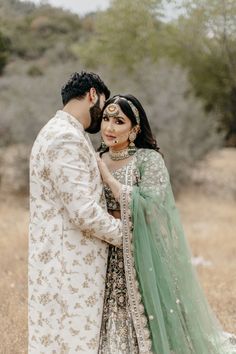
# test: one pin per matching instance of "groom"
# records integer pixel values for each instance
(69, 227)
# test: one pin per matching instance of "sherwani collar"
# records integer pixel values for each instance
(71, 119)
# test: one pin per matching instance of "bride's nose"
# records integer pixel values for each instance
(110, 127)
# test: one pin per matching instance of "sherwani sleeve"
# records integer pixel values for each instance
(68, 165)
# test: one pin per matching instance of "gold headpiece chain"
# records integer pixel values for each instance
(132, 106)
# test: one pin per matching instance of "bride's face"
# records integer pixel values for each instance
(115, 127)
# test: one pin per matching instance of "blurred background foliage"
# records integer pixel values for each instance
(183, 70)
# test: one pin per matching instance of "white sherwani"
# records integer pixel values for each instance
(67, 252)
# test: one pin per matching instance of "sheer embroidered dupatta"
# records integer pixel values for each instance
(176, 318)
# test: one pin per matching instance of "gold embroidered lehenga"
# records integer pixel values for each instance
(117, 332)
(153, 301)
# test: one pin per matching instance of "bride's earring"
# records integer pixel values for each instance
(132, 147)
(103, 145)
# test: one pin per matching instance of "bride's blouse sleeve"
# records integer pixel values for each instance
(153, 177)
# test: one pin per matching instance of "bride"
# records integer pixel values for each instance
(153, 301)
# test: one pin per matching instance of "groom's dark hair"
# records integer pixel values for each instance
(80, 83)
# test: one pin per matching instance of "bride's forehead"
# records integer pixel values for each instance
(113, 109)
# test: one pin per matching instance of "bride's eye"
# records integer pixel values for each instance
(105, 118)
(119, 121)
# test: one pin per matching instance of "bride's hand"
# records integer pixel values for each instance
(105, 173)
(108, 178)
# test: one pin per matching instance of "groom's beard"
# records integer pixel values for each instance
(96, 117)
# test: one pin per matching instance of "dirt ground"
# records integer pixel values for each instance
(210, 226)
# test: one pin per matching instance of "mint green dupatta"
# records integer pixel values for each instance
(176, 318)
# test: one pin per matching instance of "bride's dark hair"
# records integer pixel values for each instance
(145, 138)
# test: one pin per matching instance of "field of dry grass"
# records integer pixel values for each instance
(13, 278)
(210, 225)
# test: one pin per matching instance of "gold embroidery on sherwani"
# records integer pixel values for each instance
(67, 252)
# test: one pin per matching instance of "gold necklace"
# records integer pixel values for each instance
(121, 154)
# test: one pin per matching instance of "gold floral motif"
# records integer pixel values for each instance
(89, 258)
(44, 174)
(49, 214)
(46, 340)
(92, 344)
(66, 197)
(73, 290)
(70, 246)
(91, 300)
(44, 298)
(45, 257)
(52, 155)
(78, 306)
(74, 332)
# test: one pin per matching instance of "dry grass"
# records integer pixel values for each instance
(210, 225)
(13, 278)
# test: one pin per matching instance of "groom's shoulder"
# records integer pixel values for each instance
(56, 132)
(57, 128)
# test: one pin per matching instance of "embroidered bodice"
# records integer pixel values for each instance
(121, 175)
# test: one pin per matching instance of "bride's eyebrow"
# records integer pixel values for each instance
(105, 114)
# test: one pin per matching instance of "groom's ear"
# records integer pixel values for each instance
(93, 95)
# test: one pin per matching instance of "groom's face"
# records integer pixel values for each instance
(96, 115)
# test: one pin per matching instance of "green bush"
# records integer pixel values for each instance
(34, 70)
(4, 52)
(36, 30)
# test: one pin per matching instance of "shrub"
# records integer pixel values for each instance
(4, 51)
(34, 70)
